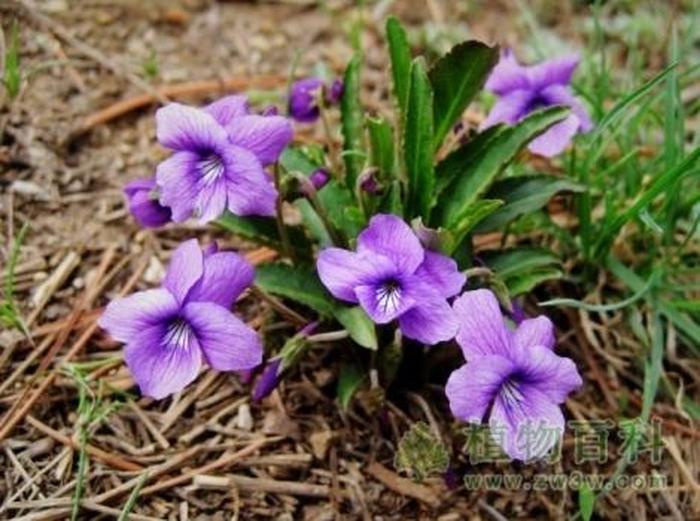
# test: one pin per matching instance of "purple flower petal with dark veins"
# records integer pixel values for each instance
(218, 160)
(265, 136)
(393, 277)
(169, 331)
(144, 206)
(523, 89)
(513, 378)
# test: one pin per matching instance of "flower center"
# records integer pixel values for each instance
(389, 296)
(535, 103)
(510, 392)
(210, 168)
(178, 334)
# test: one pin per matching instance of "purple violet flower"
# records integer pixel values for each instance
(524, 89)
(171, 330)
(218, 159)
(144, 205)
(511, 376)
(393, 277)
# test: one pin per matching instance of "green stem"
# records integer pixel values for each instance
(282, 230)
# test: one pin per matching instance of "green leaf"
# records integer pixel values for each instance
(472, 173)
(349, 382)
(392, 201)
(313, 223)
(351, 123)
(263, 230)
(400, 54)
(341, 209)
(523, 195)
(295, 160)
(358, 324)
(456, 78)
(299, 283)
(471, 216)
(586, 502)
(522, 269)
(418, 143)
(382, 150)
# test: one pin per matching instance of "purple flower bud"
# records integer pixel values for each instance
(368, 181)
(268, 381)
(319, 178)
(145, 208)
(308, 328)
(335, 92)
(303, 99)
(270, 110)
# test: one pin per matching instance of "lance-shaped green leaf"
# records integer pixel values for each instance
(382, 149)
(351, 123)
(295, 160)
(358, 324)
(349, 381)
(522, 269)
(456, 78)
(400, 54)
(472, 170)
(339, 204)
(523, 195)
(418, 143)
(301, 284)
(263, 230)
(471, 216)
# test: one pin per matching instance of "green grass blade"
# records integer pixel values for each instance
(400, 54)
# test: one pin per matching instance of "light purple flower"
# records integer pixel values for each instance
(512, 377)
(393, 277)
(143, 203)
(218, 160)
(171, 330)
(523, 89)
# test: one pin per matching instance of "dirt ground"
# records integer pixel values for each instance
(210, 452)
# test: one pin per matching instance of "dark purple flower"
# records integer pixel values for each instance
(335, 92)
(512, 377)
(392, 277)
(304, 96)
(524, 89)
(143, 203)
(319, 178)
(218, 160)
(171, 330)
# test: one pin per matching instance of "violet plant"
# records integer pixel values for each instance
(382, 242)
